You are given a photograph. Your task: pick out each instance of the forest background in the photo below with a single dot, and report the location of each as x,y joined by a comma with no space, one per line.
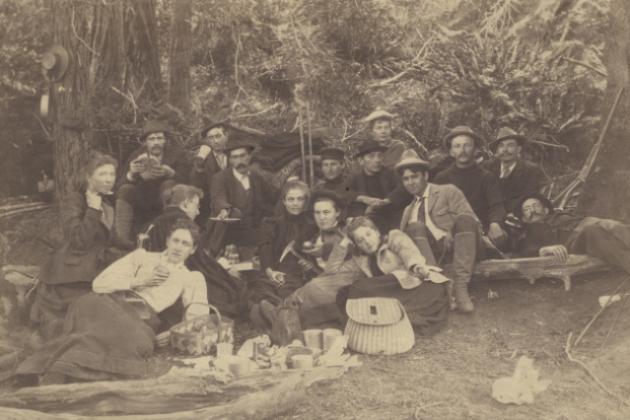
547,68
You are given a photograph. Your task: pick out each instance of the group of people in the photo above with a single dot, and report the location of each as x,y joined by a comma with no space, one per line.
143,253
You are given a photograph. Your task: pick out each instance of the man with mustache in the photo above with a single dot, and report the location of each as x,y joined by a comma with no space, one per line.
209,160
238,193
517,176
559,233
480,187
150,169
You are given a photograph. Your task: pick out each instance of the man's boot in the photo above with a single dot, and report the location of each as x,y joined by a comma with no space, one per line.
123,221
418,233
464,252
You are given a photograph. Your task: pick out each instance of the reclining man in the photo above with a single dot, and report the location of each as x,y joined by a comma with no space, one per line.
156,165
440,221
559,233
480,187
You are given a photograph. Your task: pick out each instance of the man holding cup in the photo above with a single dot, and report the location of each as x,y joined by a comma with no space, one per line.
209,160
150,169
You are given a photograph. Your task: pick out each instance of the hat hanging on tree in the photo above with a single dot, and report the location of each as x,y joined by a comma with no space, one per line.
55,63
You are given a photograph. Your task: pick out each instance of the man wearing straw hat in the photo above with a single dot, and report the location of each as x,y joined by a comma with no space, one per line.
380,124
441,222
480,187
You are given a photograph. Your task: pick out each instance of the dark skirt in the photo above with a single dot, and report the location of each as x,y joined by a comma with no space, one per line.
51,303
104,337
427,305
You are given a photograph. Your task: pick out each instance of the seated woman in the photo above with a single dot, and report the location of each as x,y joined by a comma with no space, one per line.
281,267
393,267
110,334
87,218
309,257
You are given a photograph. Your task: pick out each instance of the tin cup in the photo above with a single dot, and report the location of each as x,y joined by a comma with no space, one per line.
313,338
329,336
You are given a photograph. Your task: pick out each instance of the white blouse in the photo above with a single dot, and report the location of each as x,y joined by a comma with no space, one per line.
139,264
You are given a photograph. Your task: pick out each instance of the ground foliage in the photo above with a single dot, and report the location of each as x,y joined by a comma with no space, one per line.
534,65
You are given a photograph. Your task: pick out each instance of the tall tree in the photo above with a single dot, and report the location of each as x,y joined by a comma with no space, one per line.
180,55
607,192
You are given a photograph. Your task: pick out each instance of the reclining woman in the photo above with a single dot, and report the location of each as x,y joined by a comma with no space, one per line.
393,267
110,333
87,218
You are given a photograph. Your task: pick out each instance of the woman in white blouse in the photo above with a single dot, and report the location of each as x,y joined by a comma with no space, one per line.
110,333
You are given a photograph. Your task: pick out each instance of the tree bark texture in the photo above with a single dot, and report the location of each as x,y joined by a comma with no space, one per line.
607,191
180,55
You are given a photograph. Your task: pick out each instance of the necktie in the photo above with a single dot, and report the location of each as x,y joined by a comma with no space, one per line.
421,213
505,172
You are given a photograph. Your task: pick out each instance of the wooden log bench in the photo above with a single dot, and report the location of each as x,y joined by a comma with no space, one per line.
536,268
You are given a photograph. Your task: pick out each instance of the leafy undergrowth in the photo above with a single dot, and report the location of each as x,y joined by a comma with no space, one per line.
450,375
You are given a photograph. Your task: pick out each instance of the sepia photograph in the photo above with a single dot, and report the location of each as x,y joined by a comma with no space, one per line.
314,209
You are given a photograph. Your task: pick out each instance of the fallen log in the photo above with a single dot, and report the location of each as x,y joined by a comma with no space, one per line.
168,397
536,268
24,209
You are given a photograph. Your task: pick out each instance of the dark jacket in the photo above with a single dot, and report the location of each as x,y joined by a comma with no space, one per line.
201,177
278,232
526,177
224,187
85,251
376,186
341,186
556,229
481,189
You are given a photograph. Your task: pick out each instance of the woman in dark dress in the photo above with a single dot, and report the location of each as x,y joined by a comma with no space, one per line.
393,267
87,218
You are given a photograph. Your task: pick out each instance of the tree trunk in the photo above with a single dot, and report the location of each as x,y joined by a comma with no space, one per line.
144,77
180,55
607,191
73,23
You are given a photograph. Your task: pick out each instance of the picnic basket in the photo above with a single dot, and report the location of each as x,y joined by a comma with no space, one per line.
200,335
378,326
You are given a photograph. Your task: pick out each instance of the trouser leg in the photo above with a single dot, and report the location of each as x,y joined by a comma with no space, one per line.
420,235
123,215
600,242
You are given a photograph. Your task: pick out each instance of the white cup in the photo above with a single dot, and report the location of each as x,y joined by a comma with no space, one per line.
204,151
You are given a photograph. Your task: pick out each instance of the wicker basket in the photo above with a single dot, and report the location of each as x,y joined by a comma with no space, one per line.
378,326
199,336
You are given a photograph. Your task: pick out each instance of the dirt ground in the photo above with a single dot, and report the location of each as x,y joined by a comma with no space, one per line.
450,375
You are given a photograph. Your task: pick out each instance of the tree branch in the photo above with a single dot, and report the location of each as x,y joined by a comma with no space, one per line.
602,73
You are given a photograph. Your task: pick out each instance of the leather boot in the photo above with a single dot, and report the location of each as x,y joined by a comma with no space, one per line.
464,252
123,221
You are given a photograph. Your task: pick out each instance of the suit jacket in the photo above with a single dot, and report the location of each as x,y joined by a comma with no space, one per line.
85,250
201,177
525,178
446,202
223,188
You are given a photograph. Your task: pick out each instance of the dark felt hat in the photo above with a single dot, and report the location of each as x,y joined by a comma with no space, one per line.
154,126
506,133
223,124
333,153
238,142
325,194
461,130
410,159
369,146
518,210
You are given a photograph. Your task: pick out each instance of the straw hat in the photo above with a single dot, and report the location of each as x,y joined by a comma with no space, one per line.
378,115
